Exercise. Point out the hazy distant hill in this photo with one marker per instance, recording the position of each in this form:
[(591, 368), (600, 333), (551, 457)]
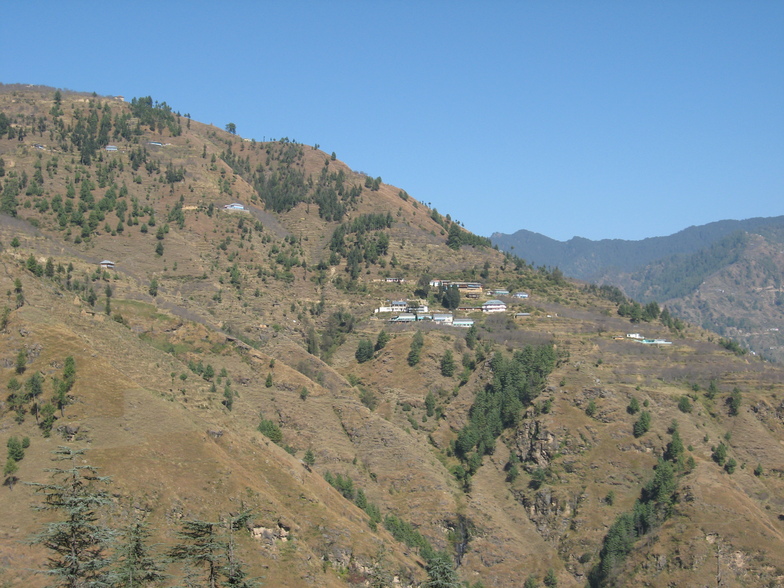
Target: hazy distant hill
[(588, 260), (725, 276), (229, 360)]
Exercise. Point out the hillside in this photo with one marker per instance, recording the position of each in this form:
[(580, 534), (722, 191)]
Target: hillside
[(725, 276), (212, 370)]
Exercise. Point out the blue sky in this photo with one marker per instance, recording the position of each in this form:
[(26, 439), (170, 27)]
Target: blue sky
[(598, 119)]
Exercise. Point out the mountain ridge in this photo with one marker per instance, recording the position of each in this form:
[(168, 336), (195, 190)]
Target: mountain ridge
[(217, 370), (572, 256)]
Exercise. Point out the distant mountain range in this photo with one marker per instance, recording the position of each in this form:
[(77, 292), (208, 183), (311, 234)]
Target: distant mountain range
[(725, 276)]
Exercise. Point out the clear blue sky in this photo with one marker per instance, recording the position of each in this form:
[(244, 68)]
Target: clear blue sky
[(598, 119)]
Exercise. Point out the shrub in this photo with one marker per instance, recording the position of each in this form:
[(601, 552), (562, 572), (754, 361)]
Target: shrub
[(642, 425), (271, 430), (364, 351)]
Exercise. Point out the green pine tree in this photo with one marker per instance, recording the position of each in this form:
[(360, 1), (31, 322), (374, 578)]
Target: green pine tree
[(135, 564), (78, 540)]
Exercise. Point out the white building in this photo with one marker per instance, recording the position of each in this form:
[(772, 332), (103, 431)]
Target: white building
[(494, 306)]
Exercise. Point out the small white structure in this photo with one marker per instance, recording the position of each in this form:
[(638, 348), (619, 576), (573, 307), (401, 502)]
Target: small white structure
[(398, 305), (443, 318), (494, 306), (634, 336), (500, 292), (406, 317), (234, 206), (111, 147), (521, 294), (107, 264), (463, 323)]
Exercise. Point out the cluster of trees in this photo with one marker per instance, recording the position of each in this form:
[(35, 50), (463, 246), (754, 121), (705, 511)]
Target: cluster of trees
[(635, 312), (156, 115), (27, 397), (271, 430), (81, 209), (440, 566), (733, 346), (16, 449), (345, 485), (339, 324), (362, 240), (414, 354), (282, 190), (517, 381), (281, 186), (653, 506), (84, 551), (458, 237), (334, 195), (450, 297)]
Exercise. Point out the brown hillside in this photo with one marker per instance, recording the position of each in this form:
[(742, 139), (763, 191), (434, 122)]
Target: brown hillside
[(210, 371)]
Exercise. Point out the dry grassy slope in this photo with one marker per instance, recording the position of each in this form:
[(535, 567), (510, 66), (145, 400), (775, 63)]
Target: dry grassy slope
[(152, 438), (148, 428)]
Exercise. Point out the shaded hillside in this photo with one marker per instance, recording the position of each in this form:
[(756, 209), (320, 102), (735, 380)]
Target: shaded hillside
[(231, 362), (589, 260)]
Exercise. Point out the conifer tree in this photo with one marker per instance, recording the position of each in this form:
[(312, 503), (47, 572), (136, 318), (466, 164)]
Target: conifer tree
[(136, 566), (447, 364), (441, 572), (78, 540), (199, 547), (210, 546), (382, 340)]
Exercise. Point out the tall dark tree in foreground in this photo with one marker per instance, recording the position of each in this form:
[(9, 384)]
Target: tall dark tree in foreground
[(78, 540), (441, 572)]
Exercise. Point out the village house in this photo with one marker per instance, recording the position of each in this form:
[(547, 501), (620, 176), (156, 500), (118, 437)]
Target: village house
[(405, 317), (107, 265), (398, 305), (494, 306)]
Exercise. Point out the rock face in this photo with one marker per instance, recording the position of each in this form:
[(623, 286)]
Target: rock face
[(535, 443)]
